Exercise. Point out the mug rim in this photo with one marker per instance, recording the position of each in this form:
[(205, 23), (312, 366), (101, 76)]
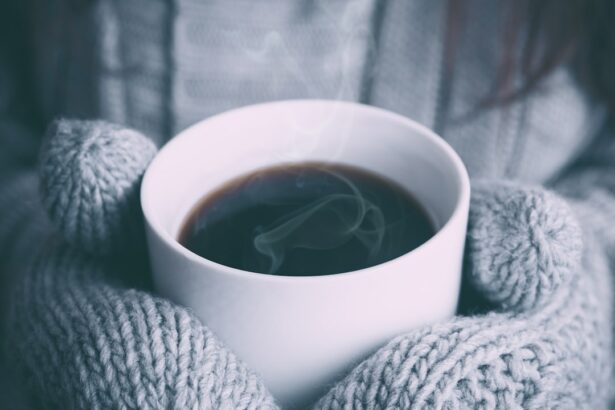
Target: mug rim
[(461, 174)]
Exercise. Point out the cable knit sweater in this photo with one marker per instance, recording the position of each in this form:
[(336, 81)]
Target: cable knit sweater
[(84, 333)]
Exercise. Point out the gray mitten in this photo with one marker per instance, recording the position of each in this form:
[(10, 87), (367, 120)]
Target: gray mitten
[(89, 341), (546, 345), (81, 336)]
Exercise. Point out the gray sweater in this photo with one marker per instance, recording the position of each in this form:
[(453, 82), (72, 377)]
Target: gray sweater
[(159, 66)]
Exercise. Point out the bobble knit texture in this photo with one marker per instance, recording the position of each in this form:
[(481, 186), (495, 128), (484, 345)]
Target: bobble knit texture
[(90, 174), (525, 244), (86, 340)]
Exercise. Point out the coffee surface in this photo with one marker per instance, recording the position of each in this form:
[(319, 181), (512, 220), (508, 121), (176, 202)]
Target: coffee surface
[(305, 220)]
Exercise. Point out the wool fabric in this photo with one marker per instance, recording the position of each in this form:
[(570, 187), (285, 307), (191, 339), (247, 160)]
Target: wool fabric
[(542, 350), (90, 175), (83, 328)]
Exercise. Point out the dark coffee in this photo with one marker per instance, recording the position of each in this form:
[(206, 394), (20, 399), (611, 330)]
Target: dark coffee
[(305, 220)]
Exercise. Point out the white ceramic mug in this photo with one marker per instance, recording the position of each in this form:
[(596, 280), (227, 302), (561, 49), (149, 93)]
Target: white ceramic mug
[(304, 333)]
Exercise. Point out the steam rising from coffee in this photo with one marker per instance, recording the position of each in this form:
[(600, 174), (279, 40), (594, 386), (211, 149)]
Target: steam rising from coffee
[(306, 219), (326, 223), (333, 69), (339, 65)]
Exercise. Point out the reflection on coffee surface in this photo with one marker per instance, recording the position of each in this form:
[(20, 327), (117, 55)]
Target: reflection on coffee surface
[(306, 219)]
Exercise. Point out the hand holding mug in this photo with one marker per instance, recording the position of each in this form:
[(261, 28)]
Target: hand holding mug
[(141, 351), (302, 332)]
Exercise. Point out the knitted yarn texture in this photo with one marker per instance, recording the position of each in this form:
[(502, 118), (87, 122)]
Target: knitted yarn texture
[(546, 348), (90, 173), (90, 342), (85, 339)]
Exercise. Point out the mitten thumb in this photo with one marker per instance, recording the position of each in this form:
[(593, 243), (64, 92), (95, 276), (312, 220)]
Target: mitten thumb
[(523, 243), (90, 176)]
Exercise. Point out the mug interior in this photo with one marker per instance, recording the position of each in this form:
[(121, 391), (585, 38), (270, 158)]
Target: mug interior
[(210, 153)]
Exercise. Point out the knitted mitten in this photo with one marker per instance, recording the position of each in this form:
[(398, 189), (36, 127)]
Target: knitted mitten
[(87, 340), (548, 342), (79, 334)]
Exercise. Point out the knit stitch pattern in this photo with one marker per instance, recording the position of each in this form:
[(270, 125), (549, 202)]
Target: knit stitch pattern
[(92, 345), (86, 339), (81, 336), (546, 348), (525, 244), (93, 193)]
